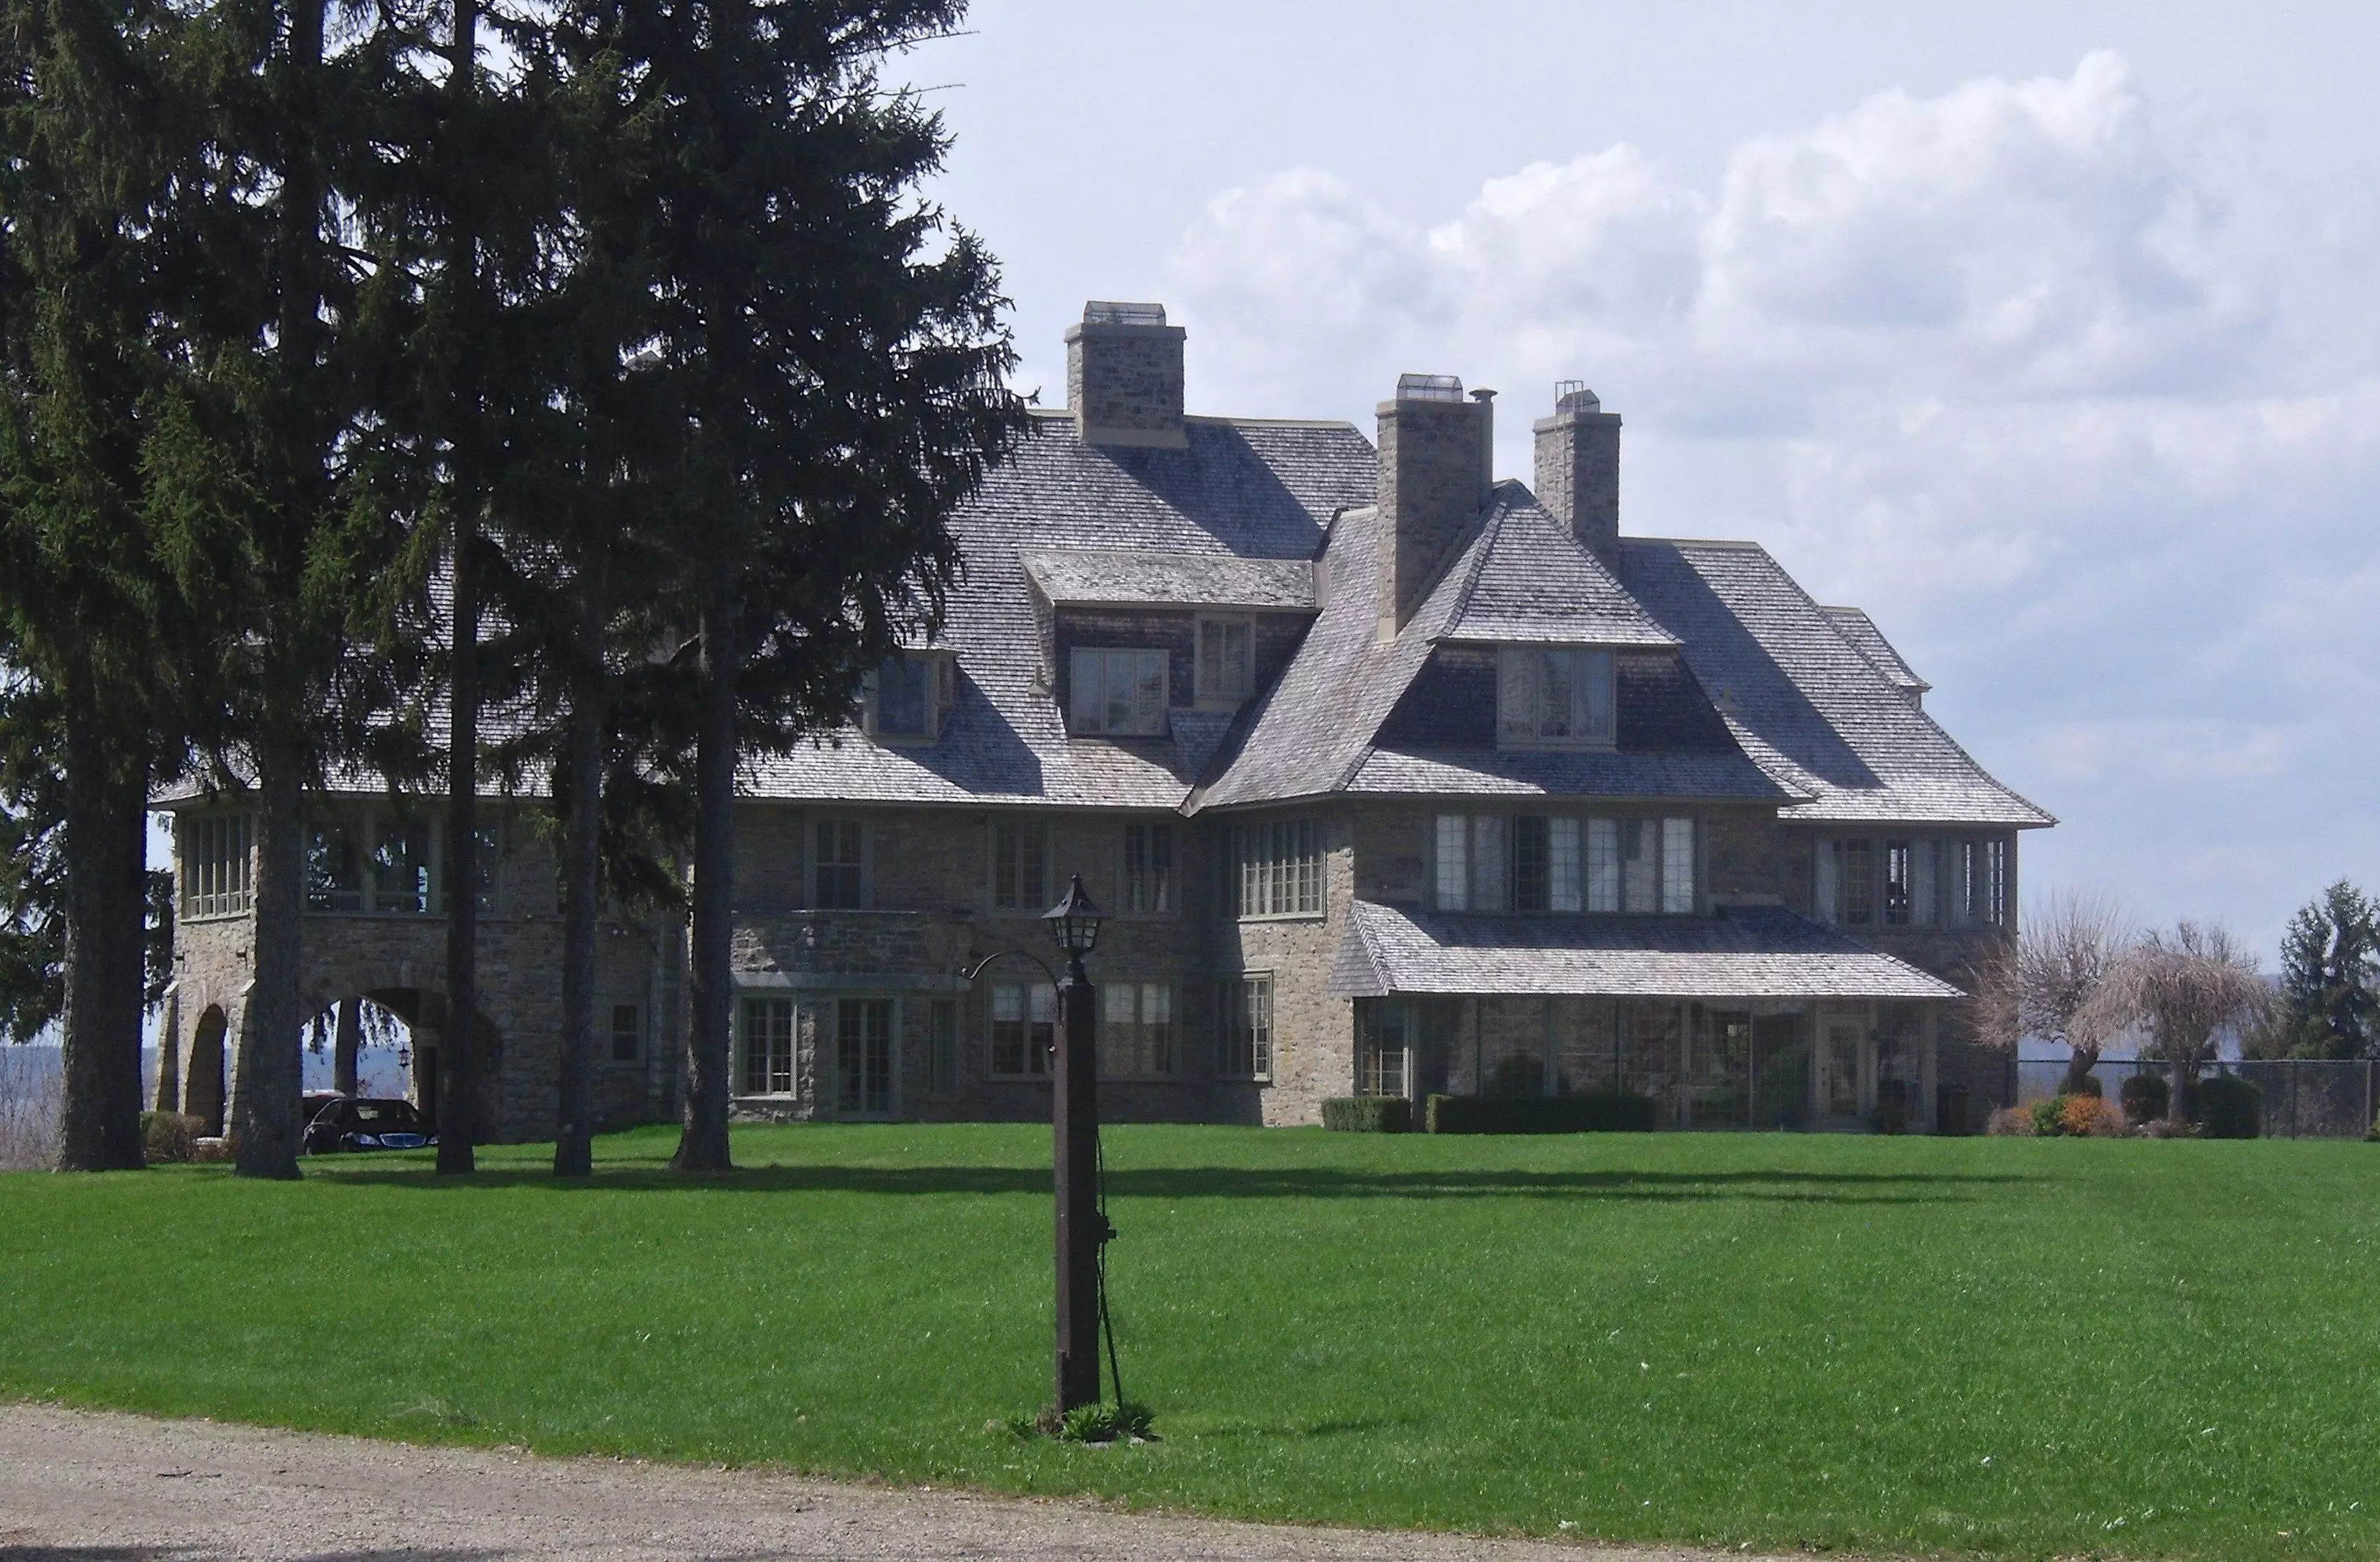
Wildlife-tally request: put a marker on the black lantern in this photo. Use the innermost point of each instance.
(1075, 921)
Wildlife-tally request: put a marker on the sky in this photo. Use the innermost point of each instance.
(2045, 332)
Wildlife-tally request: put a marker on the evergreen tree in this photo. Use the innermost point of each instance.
(2331, 978)
(86, 614)
(820, 364)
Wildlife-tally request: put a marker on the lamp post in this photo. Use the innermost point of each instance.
(1075, 1118)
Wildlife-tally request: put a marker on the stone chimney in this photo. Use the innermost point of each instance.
(1434, 476)
(1578, 467)
(1123, 377)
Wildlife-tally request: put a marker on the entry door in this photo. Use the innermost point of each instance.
(1838, 1071)
(864, 1058)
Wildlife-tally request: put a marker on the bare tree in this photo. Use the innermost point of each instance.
(2183, 986)
(2041, 983)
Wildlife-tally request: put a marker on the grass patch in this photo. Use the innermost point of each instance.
(2020, 1347)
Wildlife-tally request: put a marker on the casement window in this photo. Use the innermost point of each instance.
(1553, 697)
(864, 1075)
(1020, 864)
(1980, 898)
(216, 864)
(1278, 867)
(1243, 1029)
(1554, 863)
(907, 696)
(1910, 881)
(1148, 865)
(365, 862)
(1383, 1069)
(1226, 657)
(1118, 693)
(838, 864)
(765, 1042)
(1857, 860)
(627, 1032)
(401, 860)
(1136, 1028)
(1024, 1029)
(942, 1046)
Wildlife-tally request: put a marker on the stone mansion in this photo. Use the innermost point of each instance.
(1394, 778)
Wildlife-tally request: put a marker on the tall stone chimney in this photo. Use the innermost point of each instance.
(1578, 467)
(1434, 474)
(1123, 377)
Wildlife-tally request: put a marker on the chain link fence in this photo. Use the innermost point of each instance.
(2304, 1098)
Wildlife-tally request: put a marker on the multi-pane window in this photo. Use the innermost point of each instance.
(1244, 1013)
(1024, 1029)
(1020, 864)
(1542, 863)
(1916, 881)
(1991, 899)
(367, 862)
(1900, 861)
(1279, 866)
(1118, 693)
(1148, 866)
(1858, 868)
(942, 1046)
(1553, 697)
(627, 1032)
(838, 855)
(1226, 657)
(767, 1045)
(1135, 1028)
(863, 1057)
(400, 858)
(908, 695)
(215, 871)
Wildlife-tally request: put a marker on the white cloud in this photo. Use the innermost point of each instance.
(2072, 386)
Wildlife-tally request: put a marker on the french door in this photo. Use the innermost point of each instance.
(865, 1077)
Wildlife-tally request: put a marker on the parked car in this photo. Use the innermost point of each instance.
(365, 1123)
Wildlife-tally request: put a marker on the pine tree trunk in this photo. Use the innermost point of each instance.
(703, 1144)
(572, 1151)
(348, 1045)
(100, 1121)
(264, 1108)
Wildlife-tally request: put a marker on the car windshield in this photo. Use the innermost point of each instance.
(385, 1117)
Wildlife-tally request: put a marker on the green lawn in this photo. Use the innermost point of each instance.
(2026, 1346)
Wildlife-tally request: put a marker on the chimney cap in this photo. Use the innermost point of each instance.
(1100, 311)
(1572, 396)
(1430, 387)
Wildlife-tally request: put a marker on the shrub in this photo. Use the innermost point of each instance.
(1601, 1112)
(2049, 1117)
(2146, 1097)
(2012, 1122)
(2088, 1085)
(2091, 1117)
(169, 1136)
(1891, 1114)
(2225, 1107)
(1105, 1423)
(1367, 1114)
(1521, 1074)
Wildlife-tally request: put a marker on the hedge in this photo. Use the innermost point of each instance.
(1367, 1114)
(1603, 1111)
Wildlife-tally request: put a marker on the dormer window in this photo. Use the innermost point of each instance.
(908, 695)
(1118, 692)
(1226, 659)
(1553, 697)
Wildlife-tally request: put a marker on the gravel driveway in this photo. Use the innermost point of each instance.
(79, 1487)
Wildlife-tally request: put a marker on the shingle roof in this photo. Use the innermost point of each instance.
(1743, 952)
(1524, 578)
(1806, 704)
(1243, 490)
(1087, 578)
(1869, 641)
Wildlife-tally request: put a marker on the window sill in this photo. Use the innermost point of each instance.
(1285, 916)
(1556, 746)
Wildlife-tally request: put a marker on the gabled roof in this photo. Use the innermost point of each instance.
(1083, 577)
(1243, 491)
(1747, 952)
(1806, 704)
(1524, 578)
(1869, 641)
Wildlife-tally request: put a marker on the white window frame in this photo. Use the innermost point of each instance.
(1215, 683)
(1028, 829)
(1091, 672)
(218, 863)
(1280, 868)
(771, 1007)
(814, 861)
(1588, 718)
(1244, 1035)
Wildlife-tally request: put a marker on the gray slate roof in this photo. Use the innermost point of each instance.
(1744, 952)
(1085, 578)
(1525, 579)
(1804, 702)
(1869, 641)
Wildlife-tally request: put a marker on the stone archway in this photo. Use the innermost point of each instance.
(424, 1012)
(202, 1092)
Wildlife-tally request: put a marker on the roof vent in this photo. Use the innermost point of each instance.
(1101, 312)
(1430, 387)
(1572, 396)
